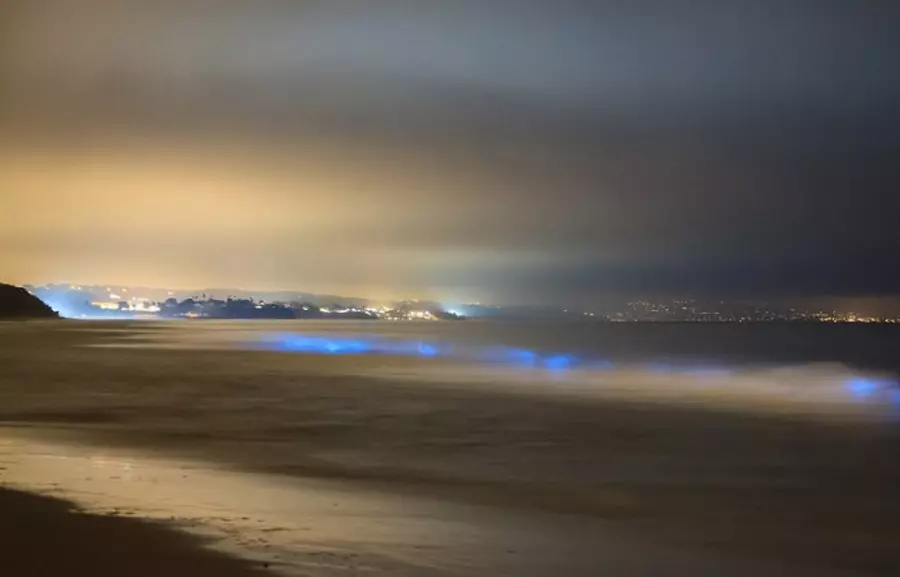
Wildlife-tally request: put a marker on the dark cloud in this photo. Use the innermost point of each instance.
(574, 147)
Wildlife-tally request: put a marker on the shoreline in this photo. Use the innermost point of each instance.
(47, 536)
(327, 525)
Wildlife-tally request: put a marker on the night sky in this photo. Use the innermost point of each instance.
(494, 150)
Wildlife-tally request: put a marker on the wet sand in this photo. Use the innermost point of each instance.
(334, 528)
(42, 536)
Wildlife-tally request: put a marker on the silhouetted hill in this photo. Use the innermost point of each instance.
(17, 303)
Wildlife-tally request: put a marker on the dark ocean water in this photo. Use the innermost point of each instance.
(864, 346)
(857, 366)
(776, 442)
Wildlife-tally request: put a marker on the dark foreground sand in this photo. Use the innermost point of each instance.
(43, 536)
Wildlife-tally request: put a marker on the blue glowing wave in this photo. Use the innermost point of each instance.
(857, 388)
(332, 345)
(322, 345)
(869, 389)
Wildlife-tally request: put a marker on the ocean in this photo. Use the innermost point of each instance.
(473, 448)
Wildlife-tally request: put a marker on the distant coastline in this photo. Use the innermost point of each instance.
(122, 303)
(137, 302)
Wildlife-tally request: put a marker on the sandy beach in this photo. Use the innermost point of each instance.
(46, 537)
(191, 517)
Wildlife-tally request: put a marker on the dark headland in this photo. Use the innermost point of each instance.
(17, 303)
